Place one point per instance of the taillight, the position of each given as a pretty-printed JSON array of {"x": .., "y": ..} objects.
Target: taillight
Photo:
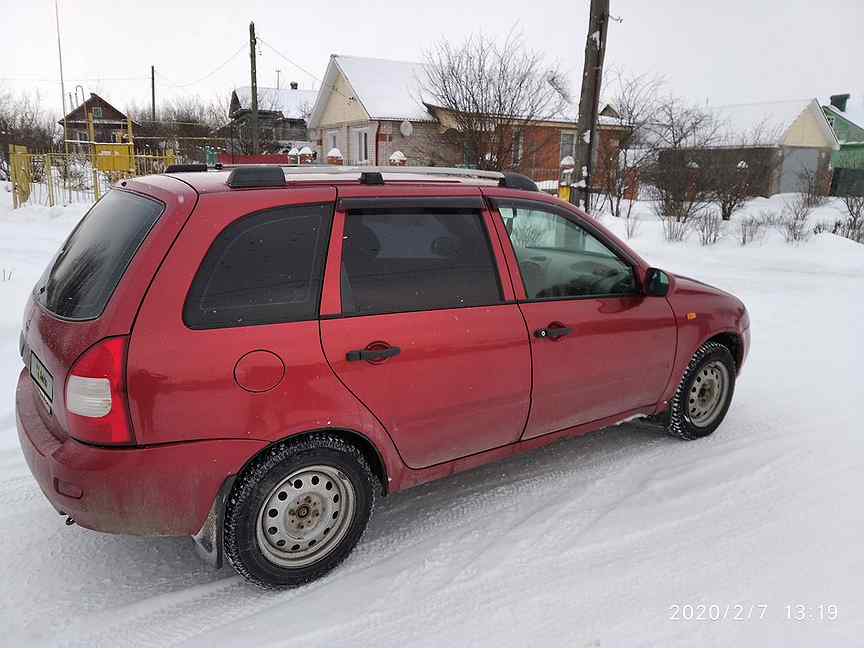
[{"x": 96, "y": 395}]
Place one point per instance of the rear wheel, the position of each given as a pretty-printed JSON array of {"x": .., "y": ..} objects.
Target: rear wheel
[
  {"x": 298, "y": 511},
  {"x": 704, "y": 394}
]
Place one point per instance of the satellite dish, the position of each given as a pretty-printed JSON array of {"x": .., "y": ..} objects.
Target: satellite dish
[{"x": 406, "y": 128}]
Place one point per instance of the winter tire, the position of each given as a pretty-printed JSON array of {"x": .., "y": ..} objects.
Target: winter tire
[
  {"x": 297, "y": 511},
  {"x": 704, "y": 394}
]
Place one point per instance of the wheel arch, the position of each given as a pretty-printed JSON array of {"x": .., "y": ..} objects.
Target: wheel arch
[
  {"x": 732, "y": 341},
  {"x": 367, "y": 448}
]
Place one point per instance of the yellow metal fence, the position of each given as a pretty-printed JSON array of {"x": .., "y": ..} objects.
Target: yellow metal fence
[{"x": 63, "y": 178}]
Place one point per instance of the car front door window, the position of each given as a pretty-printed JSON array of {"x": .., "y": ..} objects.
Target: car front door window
[{"x": 561, "y": 259}]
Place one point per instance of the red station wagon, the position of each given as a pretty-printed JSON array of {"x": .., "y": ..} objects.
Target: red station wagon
[{"x": 251, "y": 357}]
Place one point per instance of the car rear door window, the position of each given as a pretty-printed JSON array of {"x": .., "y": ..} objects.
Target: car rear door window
[
  {"x": 405, "y": 259},
  {"x": 84, "y": 273},
  {"x": 559, "y": 258},
  {"x": 264, "y": 268}
]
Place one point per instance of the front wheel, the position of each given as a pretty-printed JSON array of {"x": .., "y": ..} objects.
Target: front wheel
[
  {"x": 704, "y": 394},
  {"x": 298, "y": 511}
]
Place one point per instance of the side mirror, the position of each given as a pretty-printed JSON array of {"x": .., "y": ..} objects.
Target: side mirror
[{"x": 656, "y": 283}]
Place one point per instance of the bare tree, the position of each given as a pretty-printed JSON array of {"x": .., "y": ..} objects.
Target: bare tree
[
  {"x": 25, "y": 122},
  {"x": 680, "y": 178},
  {"x": 489, "y": 94},
  {"x": 185, "y": 125},
  {"x": 742, "y": 166},
  {"x": 636, "y": 100}
]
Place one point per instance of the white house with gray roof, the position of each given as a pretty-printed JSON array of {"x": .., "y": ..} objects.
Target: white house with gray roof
[{"x": 370, "y": 108}]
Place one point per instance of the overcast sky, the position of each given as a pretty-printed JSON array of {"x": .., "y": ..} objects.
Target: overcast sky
[{"x": 722, "y": 51}]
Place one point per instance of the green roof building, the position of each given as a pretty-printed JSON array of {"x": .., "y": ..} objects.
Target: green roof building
[{"x": 847, "y": 120}]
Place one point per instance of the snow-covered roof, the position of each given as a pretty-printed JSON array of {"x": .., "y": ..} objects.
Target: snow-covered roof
[
  {"x": 766, "y": 123},
  {"x": 387, "y": 89},
  {"x": 293, "y": 104},
  {"x": 854, "y": 110}
]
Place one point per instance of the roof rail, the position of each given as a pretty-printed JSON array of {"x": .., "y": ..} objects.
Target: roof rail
[
  {"x": 452, "y": 172},
  {"x": 271, "y": 175},
  {"x": 257, "y": 175}
]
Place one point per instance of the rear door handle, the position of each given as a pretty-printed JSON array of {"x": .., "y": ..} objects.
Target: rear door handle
[
  {"x": 373, "y": 354},
  {"x": 553, "y": 331}
]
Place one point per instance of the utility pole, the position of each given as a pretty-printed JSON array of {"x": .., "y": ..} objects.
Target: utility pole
[
  {"x": 62, "y": 95},
  {"x": 252, "y": 45},
  {"x": 153, "y": 93},
  {"x": 592, "y": 77},
  {"x": 278, "y": 72}
]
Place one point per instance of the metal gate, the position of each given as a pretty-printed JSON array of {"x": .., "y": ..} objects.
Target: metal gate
[{"x": 797, "y": 162}]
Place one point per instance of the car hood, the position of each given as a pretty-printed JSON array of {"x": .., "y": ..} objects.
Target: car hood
[{"x": 691, "y": 284}]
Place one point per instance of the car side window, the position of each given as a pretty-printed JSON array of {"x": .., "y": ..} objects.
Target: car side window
[
  {"x": 559, "y": 258},
  {"x": 264, "y": 268},
  {"x": 404, "y": 259}
]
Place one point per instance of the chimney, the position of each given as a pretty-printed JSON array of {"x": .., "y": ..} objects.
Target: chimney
[
  {"x": 294, "y": 87},
  {"x": 839, "y": 101}
]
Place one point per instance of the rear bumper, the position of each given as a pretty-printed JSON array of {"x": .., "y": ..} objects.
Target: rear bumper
[{"x": 156, "y": 490}]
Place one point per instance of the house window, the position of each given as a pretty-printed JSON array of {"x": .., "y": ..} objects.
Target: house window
[
  {"x": 568, "y": 145},
  {"x": 331, "y": 139},
  {"x": 97, "y": 112},
  {"x": 363, "y": 146}
]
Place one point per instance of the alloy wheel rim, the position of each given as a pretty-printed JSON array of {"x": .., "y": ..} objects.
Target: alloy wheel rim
[
  {"x": 305, "y": 516},
  {"x": 707, "y": 394}
]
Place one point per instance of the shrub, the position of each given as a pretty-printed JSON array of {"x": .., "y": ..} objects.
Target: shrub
[
  {"x": 795, "y": 215},
  {"x": 750, "y": 229},
  {"x": 710, "y": 227},
  {"x": 675, "y": 230},
  {"x": 814, "y": 187},
  {"x": 770, "y": 218}
]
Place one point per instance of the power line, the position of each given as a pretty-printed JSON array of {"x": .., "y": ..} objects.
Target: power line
[
  {"x": 206, "y": 76},
  {"x": 296, "y": 65},
  {"x": 302, "y": 69}
]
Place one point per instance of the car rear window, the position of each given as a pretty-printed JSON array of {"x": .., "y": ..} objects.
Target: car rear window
[
  {"x": 84, "y": 273},
  {"x": 265, "y": 268}
]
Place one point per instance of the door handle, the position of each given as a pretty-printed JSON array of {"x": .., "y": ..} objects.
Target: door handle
[
  {"x": 370, "y": 355},
  {"x": 553, "y": 331}
]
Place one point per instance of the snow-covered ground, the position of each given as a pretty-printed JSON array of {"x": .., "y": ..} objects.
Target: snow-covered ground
[{"x": 590, "y": 542}]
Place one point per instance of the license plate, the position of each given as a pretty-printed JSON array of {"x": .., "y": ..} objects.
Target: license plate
[{"x": 43, "y": 379}]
